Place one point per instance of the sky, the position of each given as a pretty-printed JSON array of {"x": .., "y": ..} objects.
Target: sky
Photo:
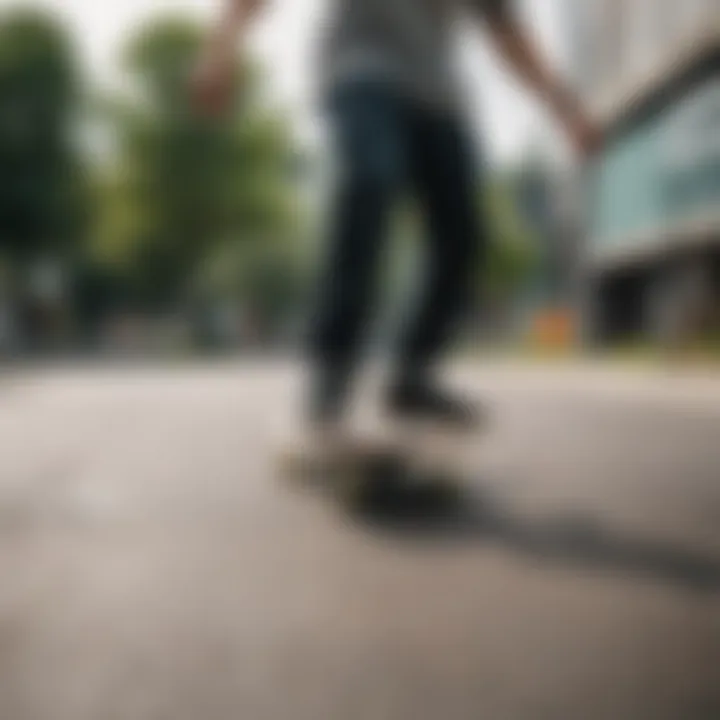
[{"x": 284, "y": 38}]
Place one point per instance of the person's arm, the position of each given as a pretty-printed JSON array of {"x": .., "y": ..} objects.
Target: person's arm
[
  {"x": 213, "y": 80},
  {"x": 516, "y": 46}
]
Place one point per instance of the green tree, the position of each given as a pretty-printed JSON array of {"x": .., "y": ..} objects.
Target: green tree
[
  {"x": 183, "y": 185},
  {"x": 512, "y": 252},
  {"x": 42, "y": 191}
]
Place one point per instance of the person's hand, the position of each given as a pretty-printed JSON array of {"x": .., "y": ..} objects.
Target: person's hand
[
  {"x": 586, "y": 136},
  {"x": 213, "y": 81}
]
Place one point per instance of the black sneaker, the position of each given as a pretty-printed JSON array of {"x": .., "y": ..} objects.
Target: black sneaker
[{"x": 427, "y": 402}]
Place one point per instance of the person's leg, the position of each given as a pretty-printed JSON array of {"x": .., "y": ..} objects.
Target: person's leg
[
  {"x": 445, "y": 178},
  {"x": 368, "y": 123}
]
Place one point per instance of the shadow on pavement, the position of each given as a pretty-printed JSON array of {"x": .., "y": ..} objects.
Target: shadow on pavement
[{"x": 442, "y": 512}]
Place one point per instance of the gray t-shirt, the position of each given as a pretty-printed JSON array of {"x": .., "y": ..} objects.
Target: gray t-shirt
[{"x": 409, "y": 42}]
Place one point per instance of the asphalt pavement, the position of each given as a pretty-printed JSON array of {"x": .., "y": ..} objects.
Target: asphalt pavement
[{"x": 154, "y": 565}]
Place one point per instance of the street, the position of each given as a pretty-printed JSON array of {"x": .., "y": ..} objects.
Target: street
[{"x": 155, "y": 566}]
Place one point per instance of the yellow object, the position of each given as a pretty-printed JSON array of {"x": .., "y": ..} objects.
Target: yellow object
[{"x": 554, "y": 330}]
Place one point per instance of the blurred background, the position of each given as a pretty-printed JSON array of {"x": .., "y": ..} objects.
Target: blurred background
[
  {"x": 129, "y": 225},
  {"x": 155, "y": 564}
]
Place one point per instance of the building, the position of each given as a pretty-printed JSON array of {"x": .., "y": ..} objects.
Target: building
[{"x": 651, "y": 202}]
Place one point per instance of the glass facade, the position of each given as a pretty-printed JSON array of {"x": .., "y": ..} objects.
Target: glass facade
[{"x": 661, "y": 174}]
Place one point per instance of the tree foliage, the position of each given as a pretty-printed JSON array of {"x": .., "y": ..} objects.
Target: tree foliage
[
  {"x": 183, "y": 209},
  {"x": 42, "y": 188},
  {"x": 185, "y": 185},
  {"x": 512, "y": 250}
]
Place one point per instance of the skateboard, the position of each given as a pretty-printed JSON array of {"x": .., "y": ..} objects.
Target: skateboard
[{"x": 392, "y": 462}]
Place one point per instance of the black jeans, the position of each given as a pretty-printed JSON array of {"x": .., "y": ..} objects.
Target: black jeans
[{"x": 387, "y": 145}]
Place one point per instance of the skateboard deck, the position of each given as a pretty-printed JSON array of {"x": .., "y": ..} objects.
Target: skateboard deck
[{"x": 355, "y": 465}]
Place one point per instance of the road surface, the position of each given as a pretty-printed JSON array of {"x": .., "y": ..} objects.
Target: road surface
[{"x": 153, "y": 566}]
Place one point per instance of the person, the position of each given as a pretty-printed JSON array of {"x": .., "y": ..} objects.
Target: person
[{"x": 395, "y": 106}]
